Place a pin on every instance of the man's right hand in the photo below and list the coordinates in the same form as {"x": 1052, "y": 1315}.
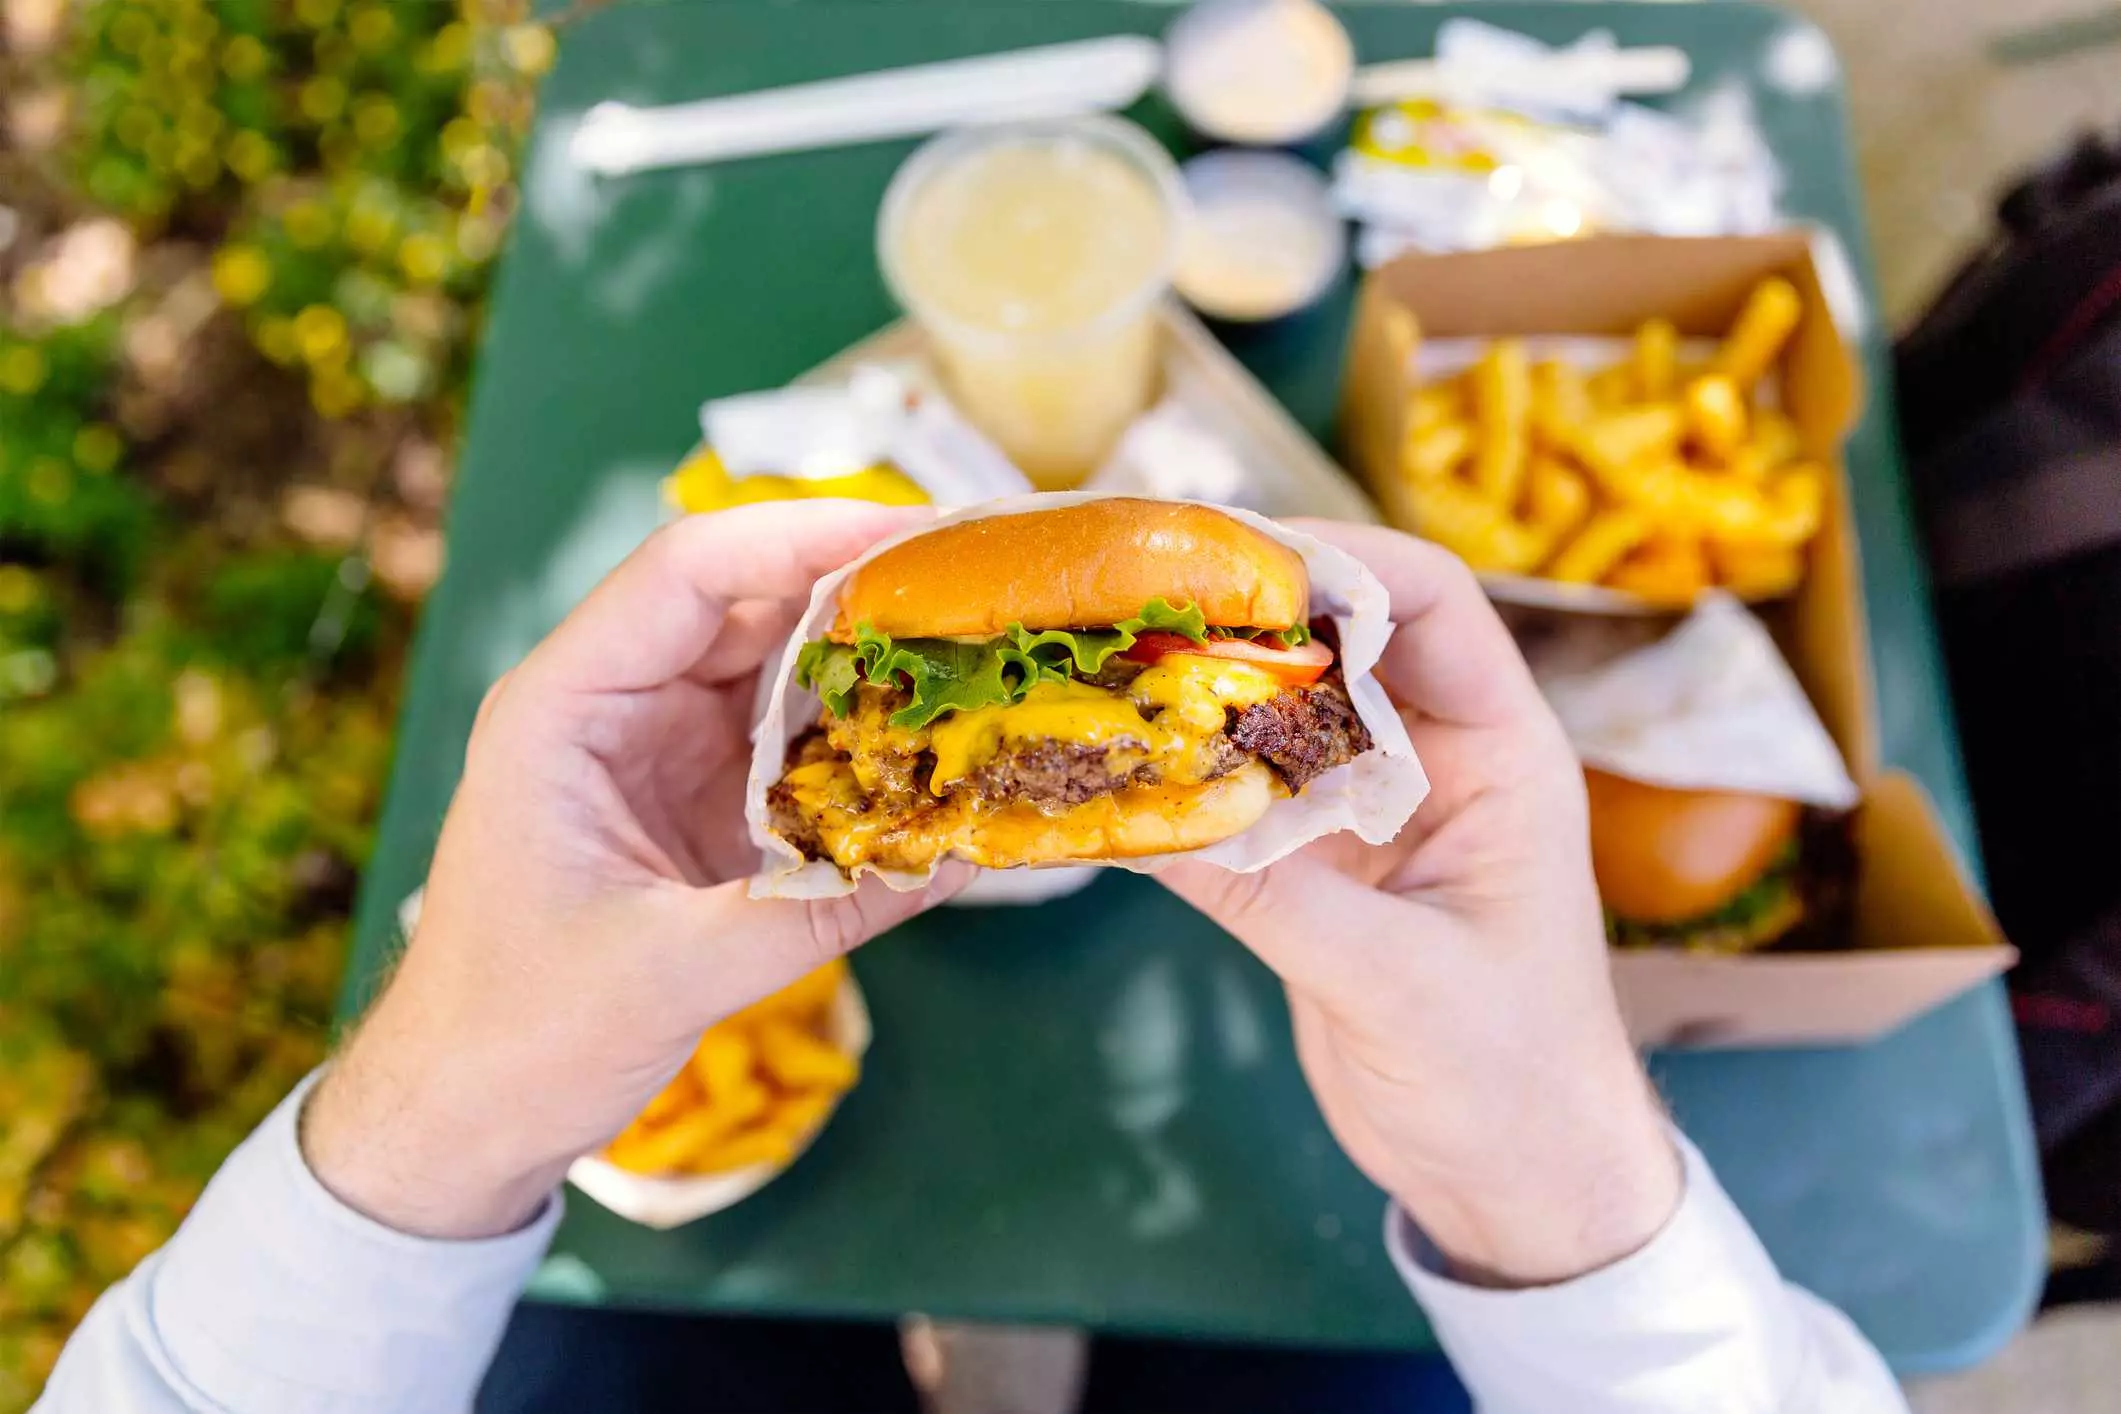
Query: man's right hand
{"x": 1453, "y": 1008}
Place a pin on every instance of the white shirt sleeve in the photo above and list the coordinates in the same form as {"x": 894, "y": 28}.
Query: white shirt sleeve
{"x": 276, "y": 1298}
{"x": 1698, "y": 1320}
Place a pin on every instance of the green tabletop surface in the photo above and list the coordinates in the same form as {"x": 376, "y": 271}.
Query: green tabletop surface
{"x": 1092, "y": 1113}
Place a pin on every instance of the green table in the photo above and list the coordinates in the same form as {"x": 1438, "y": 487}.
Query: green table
{"x": 1092, "y": 1114}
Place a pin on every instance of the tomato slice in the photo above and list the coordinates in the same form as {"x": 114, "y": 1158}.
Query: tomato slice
{"x": 1298, "y": 667}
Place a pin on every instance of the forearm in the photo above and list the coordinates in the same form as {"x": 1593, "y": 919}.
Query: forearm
{"x": 1696, "y": 1319}
{"x": 275, "y": 1298}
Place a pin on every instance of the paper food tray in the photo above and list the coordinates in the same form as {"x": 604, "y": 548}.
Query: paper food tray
{"x": 670, "y": 1201}
{"x": 1284, "y": 471}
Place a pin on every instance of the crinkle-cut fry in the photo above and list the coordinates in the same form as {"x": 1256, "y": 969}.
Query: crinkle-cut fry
{"x": 1797, "y": 504}
{"x": 682, "y": 1093}
{"x": 1433, "y": 405}
{"x": 799, "y": 1060}
{"x": 807, "y": 996}
{"x": 1666, "y": 568}
{"x": 1476, "y": 530}
{"x": 1557, "y": 497}
{"x": 1757, "y": 571}
{"x": 1612, "y": 386}
{"x": 1764, "y": 324}
{"x": 1656, "y": 360}
{"x": 1752, "y": 463}
{"x": 798, "y": 1115}
{"x": 1600, "y": 545}
{"x": 1500, "y": 388}
{"x": 740, "y": 1151}
{"x": 1614, "y": 445}
{"x": 1715, "y": 417}
{"x": 1722, "y": 504}
{"x": 1776, "y": 436}
{"x": 1561, "y": 402}
{"x": 1434, "y": 454}
{"x": 723, "y": 1061}
{"x": 671, "y": 1146}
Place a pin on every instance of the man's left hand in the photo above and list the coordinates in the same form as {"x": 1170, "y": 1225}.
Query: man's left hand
{"x": 586, "y": 917}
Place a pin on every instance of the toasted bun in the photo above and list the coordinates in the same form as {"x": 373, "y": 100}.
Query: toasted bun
{"x": 1128, "y": 824}
{"x": 1080, "y": 566}
{"x": 1664, "y": 856}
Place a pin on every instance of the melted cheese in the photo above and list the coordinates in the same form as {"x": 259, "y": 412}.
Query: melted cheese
{"x": 1190, "y": 695}
{"x": 1138, "y": 820}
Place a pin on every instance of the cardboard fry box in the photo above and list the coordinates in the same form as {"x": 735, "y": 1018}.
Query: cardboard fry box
{"x": 1921, "y": 932}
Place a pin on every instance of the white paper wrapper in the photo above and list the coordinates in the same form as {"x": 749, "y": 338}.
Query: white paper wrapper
{"x": 1710, "y": 706}
{"x": 670, "y": 1202}
{"x": 875, "y": 413}
{"x": 1439, "y": 359}
{"x": 1373, "y": 795}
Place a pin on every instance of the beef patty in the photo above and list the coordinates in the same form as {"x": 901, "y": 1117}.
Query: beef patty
{"x": 1301, "y": 733}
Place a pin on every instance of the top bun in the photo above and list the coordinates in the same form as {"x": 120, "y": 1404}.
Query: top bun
{"x": 1080, "y": 566}
{"x": 1665, "y": 856}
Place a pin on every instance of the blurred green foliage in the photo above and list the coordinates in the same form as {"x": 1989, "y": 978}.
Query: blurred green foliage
{"x": 195, "y": 708}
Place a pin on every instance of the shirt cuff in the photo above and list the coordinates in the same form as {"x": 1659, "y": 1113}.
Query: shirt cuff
{"x": 1699, "y": 1308}
{"x": 274, "y": 1295}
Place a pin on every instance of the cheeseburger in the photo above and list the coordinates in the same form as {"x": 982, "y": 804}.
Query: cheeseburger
{"x": 1709, "y": 871}
{"x": 1106, "y": 680}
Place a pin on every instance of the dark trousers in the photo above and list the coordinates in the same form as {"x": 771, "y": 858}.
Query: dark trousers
{"x": 561, "y": 1360}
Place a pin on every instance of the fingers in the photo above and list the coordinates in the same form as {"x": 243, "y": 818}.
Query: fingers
{"x": 1450, "y": 658}
{"x": 742, "y": 948}
{"x": 1316, "y": 928}
{"x": 659, "y": 613}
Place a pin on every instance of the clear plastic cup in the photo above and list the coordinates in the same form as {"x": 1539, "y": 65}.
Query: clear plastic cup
{"x": 1035, "y": 257}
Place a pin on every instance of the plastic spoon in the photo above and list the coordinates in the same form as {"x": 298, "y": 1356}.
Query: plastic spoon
{"x": 1055, "y": 81}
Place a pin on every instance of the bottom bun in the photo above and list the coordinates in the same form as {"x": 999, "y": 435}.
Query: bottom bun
{"x": 1128, "y": 824}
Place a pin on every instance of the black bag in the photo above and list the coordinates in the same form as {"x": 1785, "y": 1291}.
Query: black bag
{"x": 2010, "y": 397}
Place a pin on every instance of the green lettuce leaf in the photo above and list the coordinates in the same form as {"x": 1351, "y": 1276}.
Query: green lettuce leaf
{"x": 1294, "y": 637}
{"x": 941, "y": 674}
{"x": 1159, "y": 617}
{"x": 946, "y": 675}
{"x": 833, "y": 669}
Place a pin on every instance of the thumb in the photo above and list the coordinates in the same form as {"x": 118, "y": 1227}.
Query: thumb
{"x": 1313, "y": 925}
{"x": 756, "y": 946}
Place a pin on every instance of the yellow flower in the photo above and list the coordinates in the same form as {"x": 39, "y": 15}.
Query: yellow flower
{"x": 97, "y": 448}
{"x": 22, "y": 370}
{"x": 250, "y": 156}
{"x": 334, "y": 392}
{"x": 449, "y": 50}
{"x": 371, "y": 28}
{"x": 245, "y": 58}
{"x": 242, "y": 274}
{"x": 133, "y": 126}
{"x": 320, "y": 333}
{"x": 316, "y": 14}
{"x": 368, "y": 228}
{"x": 129, "y": 30}
{"x": 530, "y": 48}
{"x": 197, "y": 164}
{"x": 423, "y": 257}
{"x": 50, "y": 480}
{"x": 308, "y": 224}
{"x": 484, "y": 167}
{"x": 19, "y": 590}
{"x": 459, "y": 136}
{"x": 275, "y": 338}
{"x": 375, "y": 120}
{"x": 323, "y": 98}
{"x": 478, "y": 237}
